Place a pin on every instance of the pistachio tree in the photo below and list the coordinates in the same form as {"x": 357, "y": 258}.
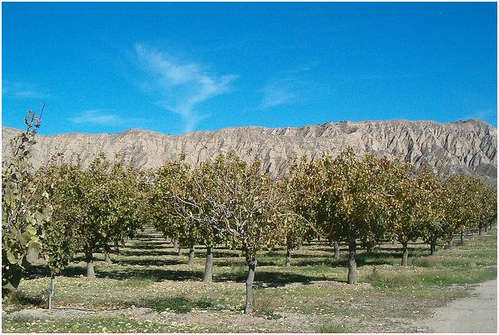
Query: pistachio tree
{"x": 299, "y": 190}
{"x": 203, "y": 204}
{"x": 352, "y": 206}
{"x": 408, "y": 206}
{"x": 485, "y": 204}
{"x": 58, "y": 238}
{"x": 462, "y": 208}
{"x": 489, "y": 205}
{"x": 25, "y": 208}
{"x": 434, "y": 222}
{"x": 102, "y": 203}
{"x": 250, "y": 205}
{"x": 174, "y": 218}
{"x": 125, "y": 190}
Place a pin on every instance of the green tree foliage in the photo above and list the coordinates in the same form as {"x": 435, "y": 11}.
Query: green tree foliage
{"x": 462, "y": 208}
{"x": 471, "y": 204}
{"x": 489, "y": 205}
{"x": 299, "y": 191}
{"x": 58, "y": 238}
{"x": 125, "y": 190}
{"x": 407, "y": 204}
{"x": 485, "y": 203}
{"x": 101, "y": 203}
{"x": 25, "y": 208}
{"x": 92, "y": 208}
{"x": 249, "y": 204}
{"x": 434, "y": 221}
{"x": 59, "y": 241}
{"x": 205, "y": 205}
{"x": 352, "y": 205}
{"x": 172, "y": 201}
{"x": 64, "y": 208}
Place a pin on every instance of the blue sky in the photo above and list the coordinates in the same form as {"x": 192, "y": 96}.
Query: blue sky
{"x": 177, "y": 67}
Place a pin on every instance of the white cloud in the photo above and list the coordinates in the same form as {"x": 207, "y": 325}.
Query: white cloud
{"x": 30, "y": 94}
{"x": 21, "y": 90}
{"x": 182, "y": 86}
{"x": 273, "y": 95}
{"x": 96, "y": 116}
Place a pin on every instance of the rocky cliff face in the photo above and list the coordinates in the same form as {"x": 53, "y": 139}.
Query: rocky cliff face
{"x": 457, "y": 147}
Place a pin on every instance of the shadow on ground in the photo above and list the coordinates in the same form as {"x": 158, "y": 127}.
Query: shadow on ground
{"x": 270, "y": 278}
{"x": 149, "y": 262}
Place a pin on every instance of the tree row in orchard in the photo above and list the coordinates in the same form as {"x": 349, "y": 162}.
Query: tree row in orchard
{"x": 65, "y": 208}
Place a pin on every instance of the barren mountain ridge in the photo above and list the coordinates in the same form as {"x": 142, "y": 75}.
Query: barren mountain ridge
{"x": 456, "y": 147}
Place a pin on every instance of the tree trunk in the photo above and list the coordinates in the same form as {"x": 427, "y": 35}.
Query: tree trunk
{"x": 462, "y": 237}
{"x": 336, "y": 250}
{"x": 480, "y": 230}
{"x": 179, "y": 251}
{"x": 208, "y": 267}
{"x": 352, "y": 264}
{"x": 369, "y": 248}
{"x": 432, "y": 247}
{"x": 51, "y": 291}
{"x": 107, "y": 259}
{"x": 288, "y": 257}
{"x": 191, "y": 255}
{"x": 485, "y": 227}
{"x": 405, "y": 254}
{"x": 175, "y": 243}
{"x": 249, "y": 286}
{"x": 90, "y": 265}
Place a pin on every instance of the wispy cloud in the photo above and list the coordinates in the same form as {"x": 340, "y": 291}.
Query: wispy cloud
{"x": 30, "y": 94}
{"x": 21, "y": 90}
{"x": 98, "y": 117}
{"x": 182, "y": 86}
{"x": 290, "y": 86}
{"x": 273, "y": 95}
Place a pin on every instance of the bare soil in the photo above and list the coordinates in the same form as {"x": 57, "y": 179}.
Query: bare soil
{"x": 475, "y": 314}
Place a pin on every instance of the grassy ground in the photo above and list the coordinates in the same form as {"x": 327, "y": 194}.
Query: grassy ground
{"x": 149, "y": 288}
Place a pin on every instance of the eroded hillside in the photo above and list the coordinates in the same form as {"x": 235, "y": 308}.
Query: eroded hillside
{"x": 464, "y": 147}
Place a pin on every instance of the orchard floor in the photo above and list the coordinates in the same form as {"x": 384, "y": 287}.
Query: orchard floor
{"x": 475, "y": 314}
{"x": 149, "y": 288}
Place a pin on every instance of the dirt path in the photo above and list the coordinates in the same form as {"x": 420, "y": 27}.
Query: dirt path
{"x": 476, "y": 314}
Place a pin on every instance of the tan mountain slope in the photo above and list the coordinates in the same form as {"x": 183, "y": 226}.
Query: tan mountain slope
{"x": 464, "y": 147}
